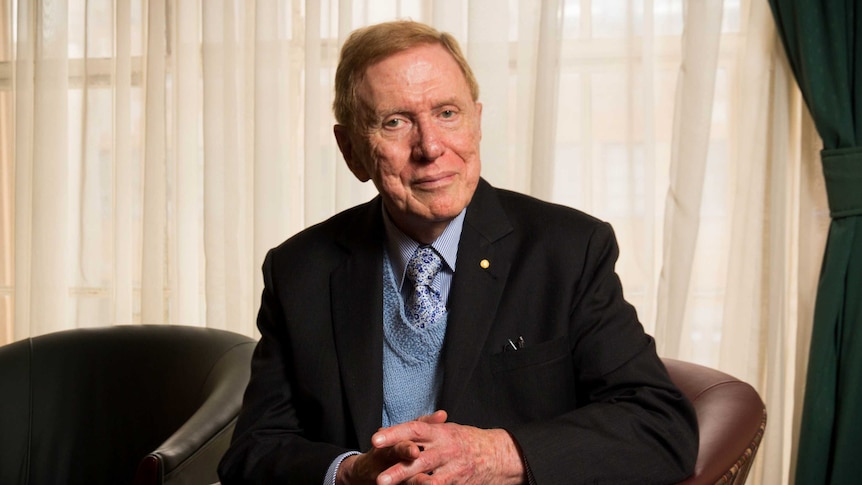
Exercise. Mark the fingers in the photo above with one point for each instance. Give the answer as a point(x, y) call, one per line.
point(366, 467)
point(415, 471)
point(404, 444)
point(437, 417)
point(416, 430)
point(405, 450)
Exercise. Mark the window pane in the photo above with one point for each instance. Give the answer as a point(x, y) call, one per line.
point(668, 17)
point(613, 18)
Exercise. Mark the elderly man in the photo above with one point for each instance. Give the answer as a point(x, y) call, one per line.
point(447, 331)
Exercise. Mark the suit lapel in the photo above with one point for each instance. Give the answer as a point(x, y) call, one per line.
point(476, 291)
point(357, 319)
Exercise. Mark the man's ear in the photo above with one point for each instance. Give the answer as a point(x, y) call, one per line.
point(345, 144)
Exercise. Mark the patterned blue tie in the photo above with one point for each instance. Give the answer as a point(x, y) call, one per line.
point(424, 305)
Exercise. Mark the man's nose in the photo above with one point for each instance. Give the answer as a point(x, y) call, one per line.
point(428, 145)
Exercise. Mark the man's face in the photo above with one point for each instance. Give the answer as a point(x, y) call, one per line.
point(421, 148)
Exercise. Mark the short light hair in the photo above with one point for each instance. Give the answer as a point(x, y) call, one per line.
point(369, 45)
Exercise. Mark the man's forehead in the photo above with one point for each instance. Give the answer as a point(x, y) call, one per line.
point(414, 70)
point(401, 61)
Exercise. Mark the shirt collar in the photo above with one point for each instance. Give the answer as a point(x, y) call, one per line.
point(401, 247)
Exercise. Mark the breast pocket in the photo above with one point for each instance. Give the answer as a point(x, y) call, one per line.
point(537, 381)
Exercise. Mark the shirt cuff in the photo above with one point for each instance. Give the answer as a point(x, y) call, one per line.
point(331, 473)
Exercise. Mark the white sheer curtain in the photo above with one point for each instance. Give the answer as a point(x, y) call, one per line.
point(152, 151)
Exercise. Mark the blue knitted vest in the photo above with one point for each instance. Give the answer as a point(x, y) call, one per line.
point(411, 377)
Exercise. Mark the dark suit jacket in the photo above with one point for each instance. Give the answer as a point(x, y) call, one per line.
point(586, 399)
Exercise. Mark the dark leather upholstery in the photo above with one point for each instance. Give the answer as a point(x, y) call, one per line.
point(731, 417)
point(127, 404)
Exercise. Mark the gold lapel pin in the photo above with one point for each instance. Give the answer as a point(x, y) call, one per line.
point(485, 264)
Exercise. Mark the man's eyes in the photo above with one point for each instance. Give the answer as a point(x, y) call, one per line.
point(399, 122)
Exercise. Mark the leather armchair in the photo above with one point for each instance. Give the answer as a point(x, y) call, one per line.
point(731, 417)
point(147, 404)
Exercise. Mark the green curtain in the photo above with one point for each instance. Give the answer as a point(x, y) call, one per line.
point(823, 40)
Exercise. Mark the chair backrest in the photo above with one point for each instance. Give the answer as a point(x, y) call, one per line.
point(731, 418)
point(86, 405)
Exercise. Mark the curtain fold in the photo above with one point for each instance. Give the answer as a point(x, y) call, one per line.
point(690, 146)
point(42, 171)
point(155, 189)
point(7, 206)
point(543, 138)
point(489, 62)
point(122, 187)
point(825, 50)
point(763, 273)
point(185, 275)
point(271, 85)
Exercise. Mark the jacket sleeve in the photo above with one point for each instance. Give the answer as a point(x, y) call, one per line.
point(269, 443)
point(631, 424)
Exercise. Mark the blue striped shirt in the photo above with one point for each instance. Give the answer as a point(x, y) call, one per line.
point(401, 247)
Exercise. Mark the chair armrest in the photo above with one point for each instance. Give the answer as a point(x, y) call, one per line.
point(731, 419)
point(192, 453)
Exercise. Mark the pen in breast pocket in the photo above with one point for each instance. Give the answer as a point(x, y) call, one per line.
point(512, 345)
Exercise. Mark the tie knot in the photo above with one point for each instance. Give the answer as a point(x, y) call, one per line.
point(423, 266)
